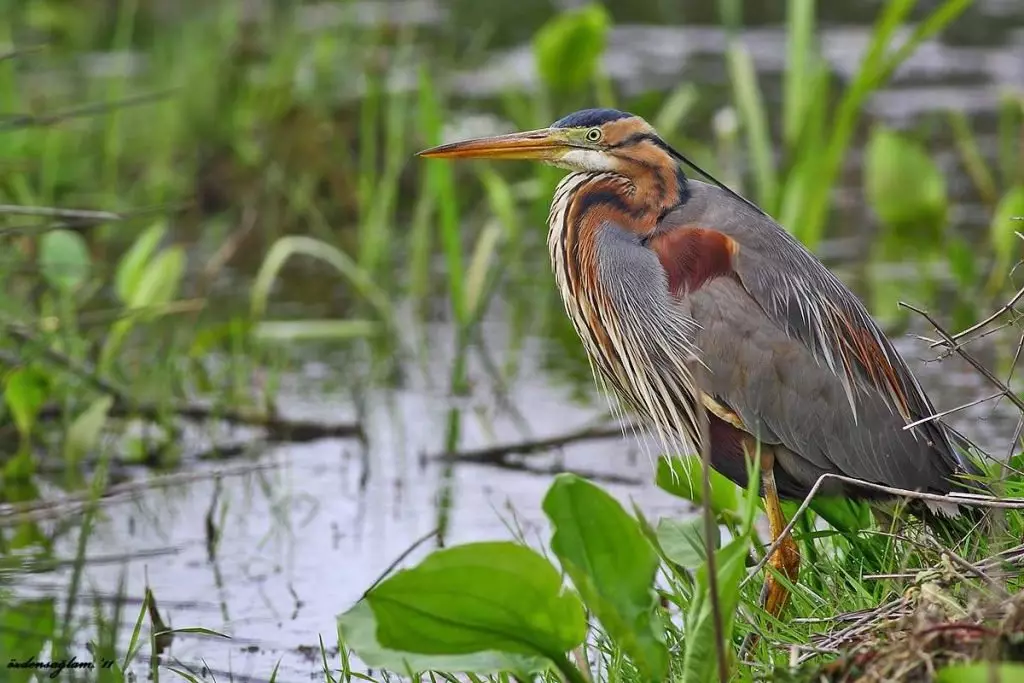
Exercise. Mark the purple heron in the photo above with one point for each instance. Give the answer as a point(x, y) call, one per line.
point(657, 270)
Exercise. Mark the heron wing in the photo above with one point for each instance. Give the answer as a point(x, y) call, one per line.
point(797, 354)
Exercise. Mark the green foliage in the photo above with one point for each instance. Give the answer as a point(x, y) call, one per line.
point(25, 392)
point(683, 542)
point(1007, 221)
point(681, 476)
point(64, 260)
point(286, 247)
point(25, 629)
point(475, 598)
point(700, 660)
point(569, 47)
point(903, 185)
point(278, 139)
point(816, 137)
point(135, 261)
point(612, 565)
point(358, 627)
point(981, 673)
point(84, 433)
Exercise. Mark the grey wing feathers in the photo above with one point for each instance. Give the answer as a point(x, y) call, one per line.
point(845, 358)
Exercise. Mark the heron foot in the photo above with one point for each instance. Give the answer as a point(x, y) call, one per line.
point(786, 560)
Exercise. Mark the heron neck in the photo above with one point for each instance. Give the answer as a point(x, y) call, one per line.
point(657, 189)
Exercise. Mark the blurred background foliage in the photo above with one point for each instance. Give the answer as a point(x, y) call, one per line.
point(199, 196)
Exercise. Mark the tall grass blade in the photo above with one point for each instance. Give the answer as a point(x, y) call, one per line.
point(751, 108)
point(797, 83)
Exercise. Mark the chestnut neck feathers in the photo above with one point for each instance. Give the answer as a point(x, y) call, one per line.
point(642, 180)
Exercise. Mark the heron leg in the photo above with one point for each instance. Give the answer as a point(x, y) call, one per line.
point(786, 558)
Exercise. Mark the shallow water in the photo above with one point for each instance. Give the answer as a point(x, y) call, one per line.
point(303, 529)
point(303, 535)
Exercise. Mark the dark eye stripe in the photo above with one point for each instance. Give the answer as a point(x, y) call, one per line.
point(639, 137)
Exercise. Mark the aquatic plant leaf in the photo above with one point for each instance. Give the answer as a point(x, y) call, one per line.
point(133, 264)
point(613, 566)
point(981, 673)
point(84, 432)
point(358, 627)
point(292, 245)
point(568, 47)
point(25, 391)
point(682, 541)
point(160, 280)
point(905, 188)
point(478, 597)
point(64, 259)
point(700, 661)
point(25, 628)
point(681, 476)
point(1006, 222)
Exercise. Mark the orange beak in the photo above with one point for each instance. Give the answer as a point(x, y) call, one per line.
point(544, 144)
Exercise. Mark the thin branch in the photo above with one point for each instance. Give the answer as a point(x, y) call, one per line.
point(1006, 308)
point(20, 52)
point(278, 428)
point(73, 503)
point(57, 212)
point(974, 500)
point(597, 477)
point(75, 219)
point(126, 405)
point(15, 121)
point(499, 453)
point(944, 413)
point(985, 372)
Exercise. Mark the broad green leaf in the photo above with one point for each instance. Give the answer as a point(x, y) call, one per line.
point(904, 187)
point(682, 541)
point(1006, 222)
point(64, 259)
point(134, 262)
point(613, 566)
point(25, 629)
point(681, 476)
point(84, 432)
point(568, 48)
point(844, 514)
point(700, 661)
point(359, 629)
point(981, 673)
point(160, 280)
point(25, 392)
point(475, 598)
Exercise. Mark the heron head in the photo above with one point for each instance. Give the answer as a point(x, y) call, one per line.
point(586, 140)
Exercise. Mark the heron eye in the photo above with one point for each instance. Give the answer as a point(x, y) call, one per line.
point(594, 134)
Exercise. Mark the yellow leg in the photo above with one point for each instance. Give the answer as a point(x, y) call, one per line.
point(786, 558)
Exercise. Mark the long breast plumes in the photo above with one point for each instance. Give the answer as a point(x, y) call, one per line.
point(616, 296)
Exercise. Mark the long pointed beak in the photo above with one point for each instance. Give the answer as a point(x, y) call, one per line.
point(546, 143)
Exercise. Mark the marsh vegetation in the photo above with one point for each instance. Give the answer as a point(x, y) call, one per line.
point(261, 367)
